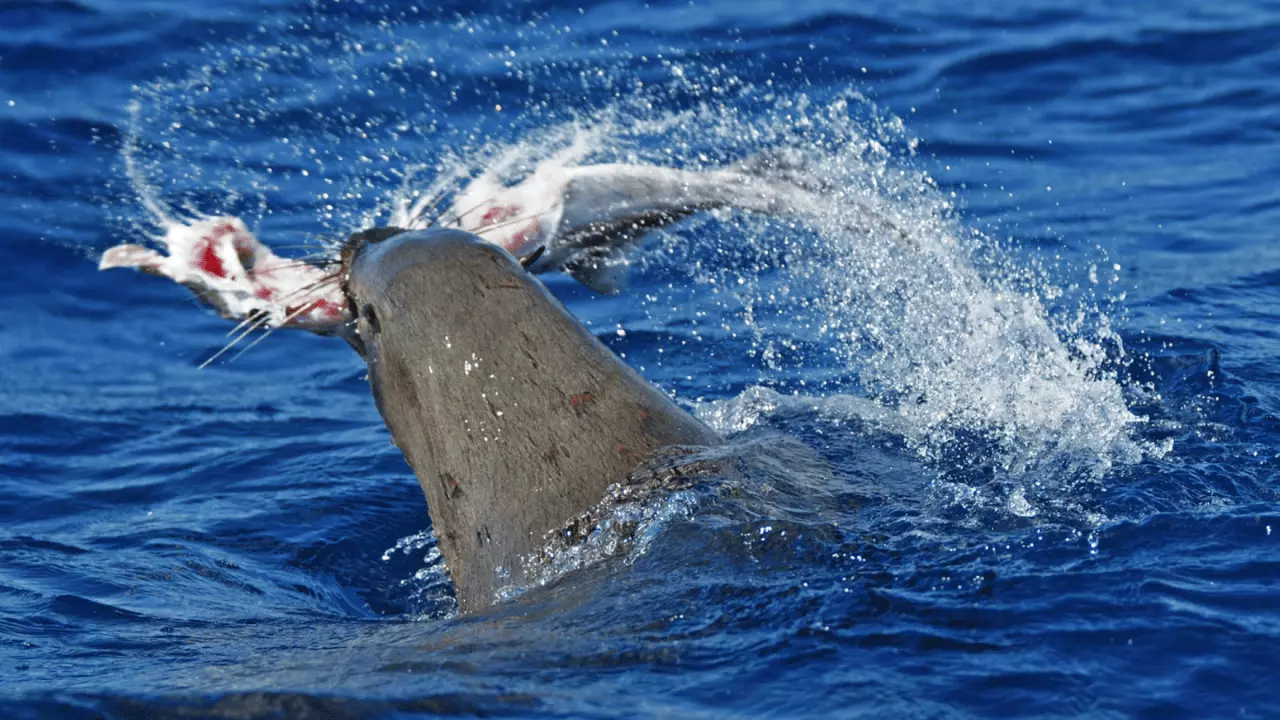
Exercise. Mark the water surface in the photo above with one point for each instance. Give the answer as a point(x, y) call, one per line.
point(1028, 468)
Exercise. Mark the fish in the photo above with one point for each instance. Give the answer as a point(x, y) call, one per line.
point(227, 267)
point(585, 219)
point(579, 219)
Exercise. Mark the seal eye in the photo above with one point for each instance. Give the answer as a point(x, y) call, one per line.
point(371, 317)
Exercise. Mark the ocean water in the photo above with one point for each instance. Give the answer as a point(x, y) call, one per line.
point(1008, 449)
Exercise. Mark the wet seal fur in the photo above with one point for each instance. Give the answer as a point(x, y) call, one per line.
point(513, 416)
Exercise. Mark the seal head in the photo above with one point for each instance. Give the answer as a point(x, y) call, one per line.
point(513, 416)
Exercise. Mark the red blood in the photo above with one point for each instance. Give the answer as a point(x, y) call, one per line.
point(264, 293)
point(323, 306)
point(528, 232)
point(209, 260)
point(328, 308)
point(498, 213)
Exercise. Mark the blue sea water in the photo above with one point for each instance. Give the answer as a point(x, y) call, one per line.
point(1028, 468)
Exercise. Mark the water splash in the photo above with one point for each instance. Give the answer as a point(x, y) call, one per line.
point(618, 527)
point(923, 327)
point(955, 339)
point(428, 592)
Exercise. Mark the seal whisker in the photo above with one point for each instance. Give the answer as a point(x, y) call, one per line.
point(318, 262)
point(458, 218)
point(253, 317)
point(262, 319)
point(296, 246)
point(286, 297)
point(291, 316)
point(326, 280)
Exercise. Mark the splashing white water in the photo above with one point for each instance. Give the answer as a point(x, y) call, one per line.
point(619, 526)
point(878, 289)
point(882, 276)
point(428, 590)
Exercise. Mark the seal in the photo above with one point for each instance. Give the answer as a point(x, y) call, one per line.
point(513, 416)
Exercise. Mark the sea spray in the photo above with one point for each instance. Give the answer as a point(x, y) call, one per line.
point(951, 341)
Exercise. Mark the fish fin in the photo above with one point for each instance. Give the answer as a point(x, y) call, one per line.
point(604, 271)
point(133, 256)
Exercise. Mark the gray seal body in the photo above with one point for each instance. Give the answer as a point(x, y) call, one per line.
point(513, 416)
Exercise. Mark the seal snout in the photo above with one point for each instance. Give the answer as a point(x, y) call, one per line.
point(359, 241)
point(390, 274)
